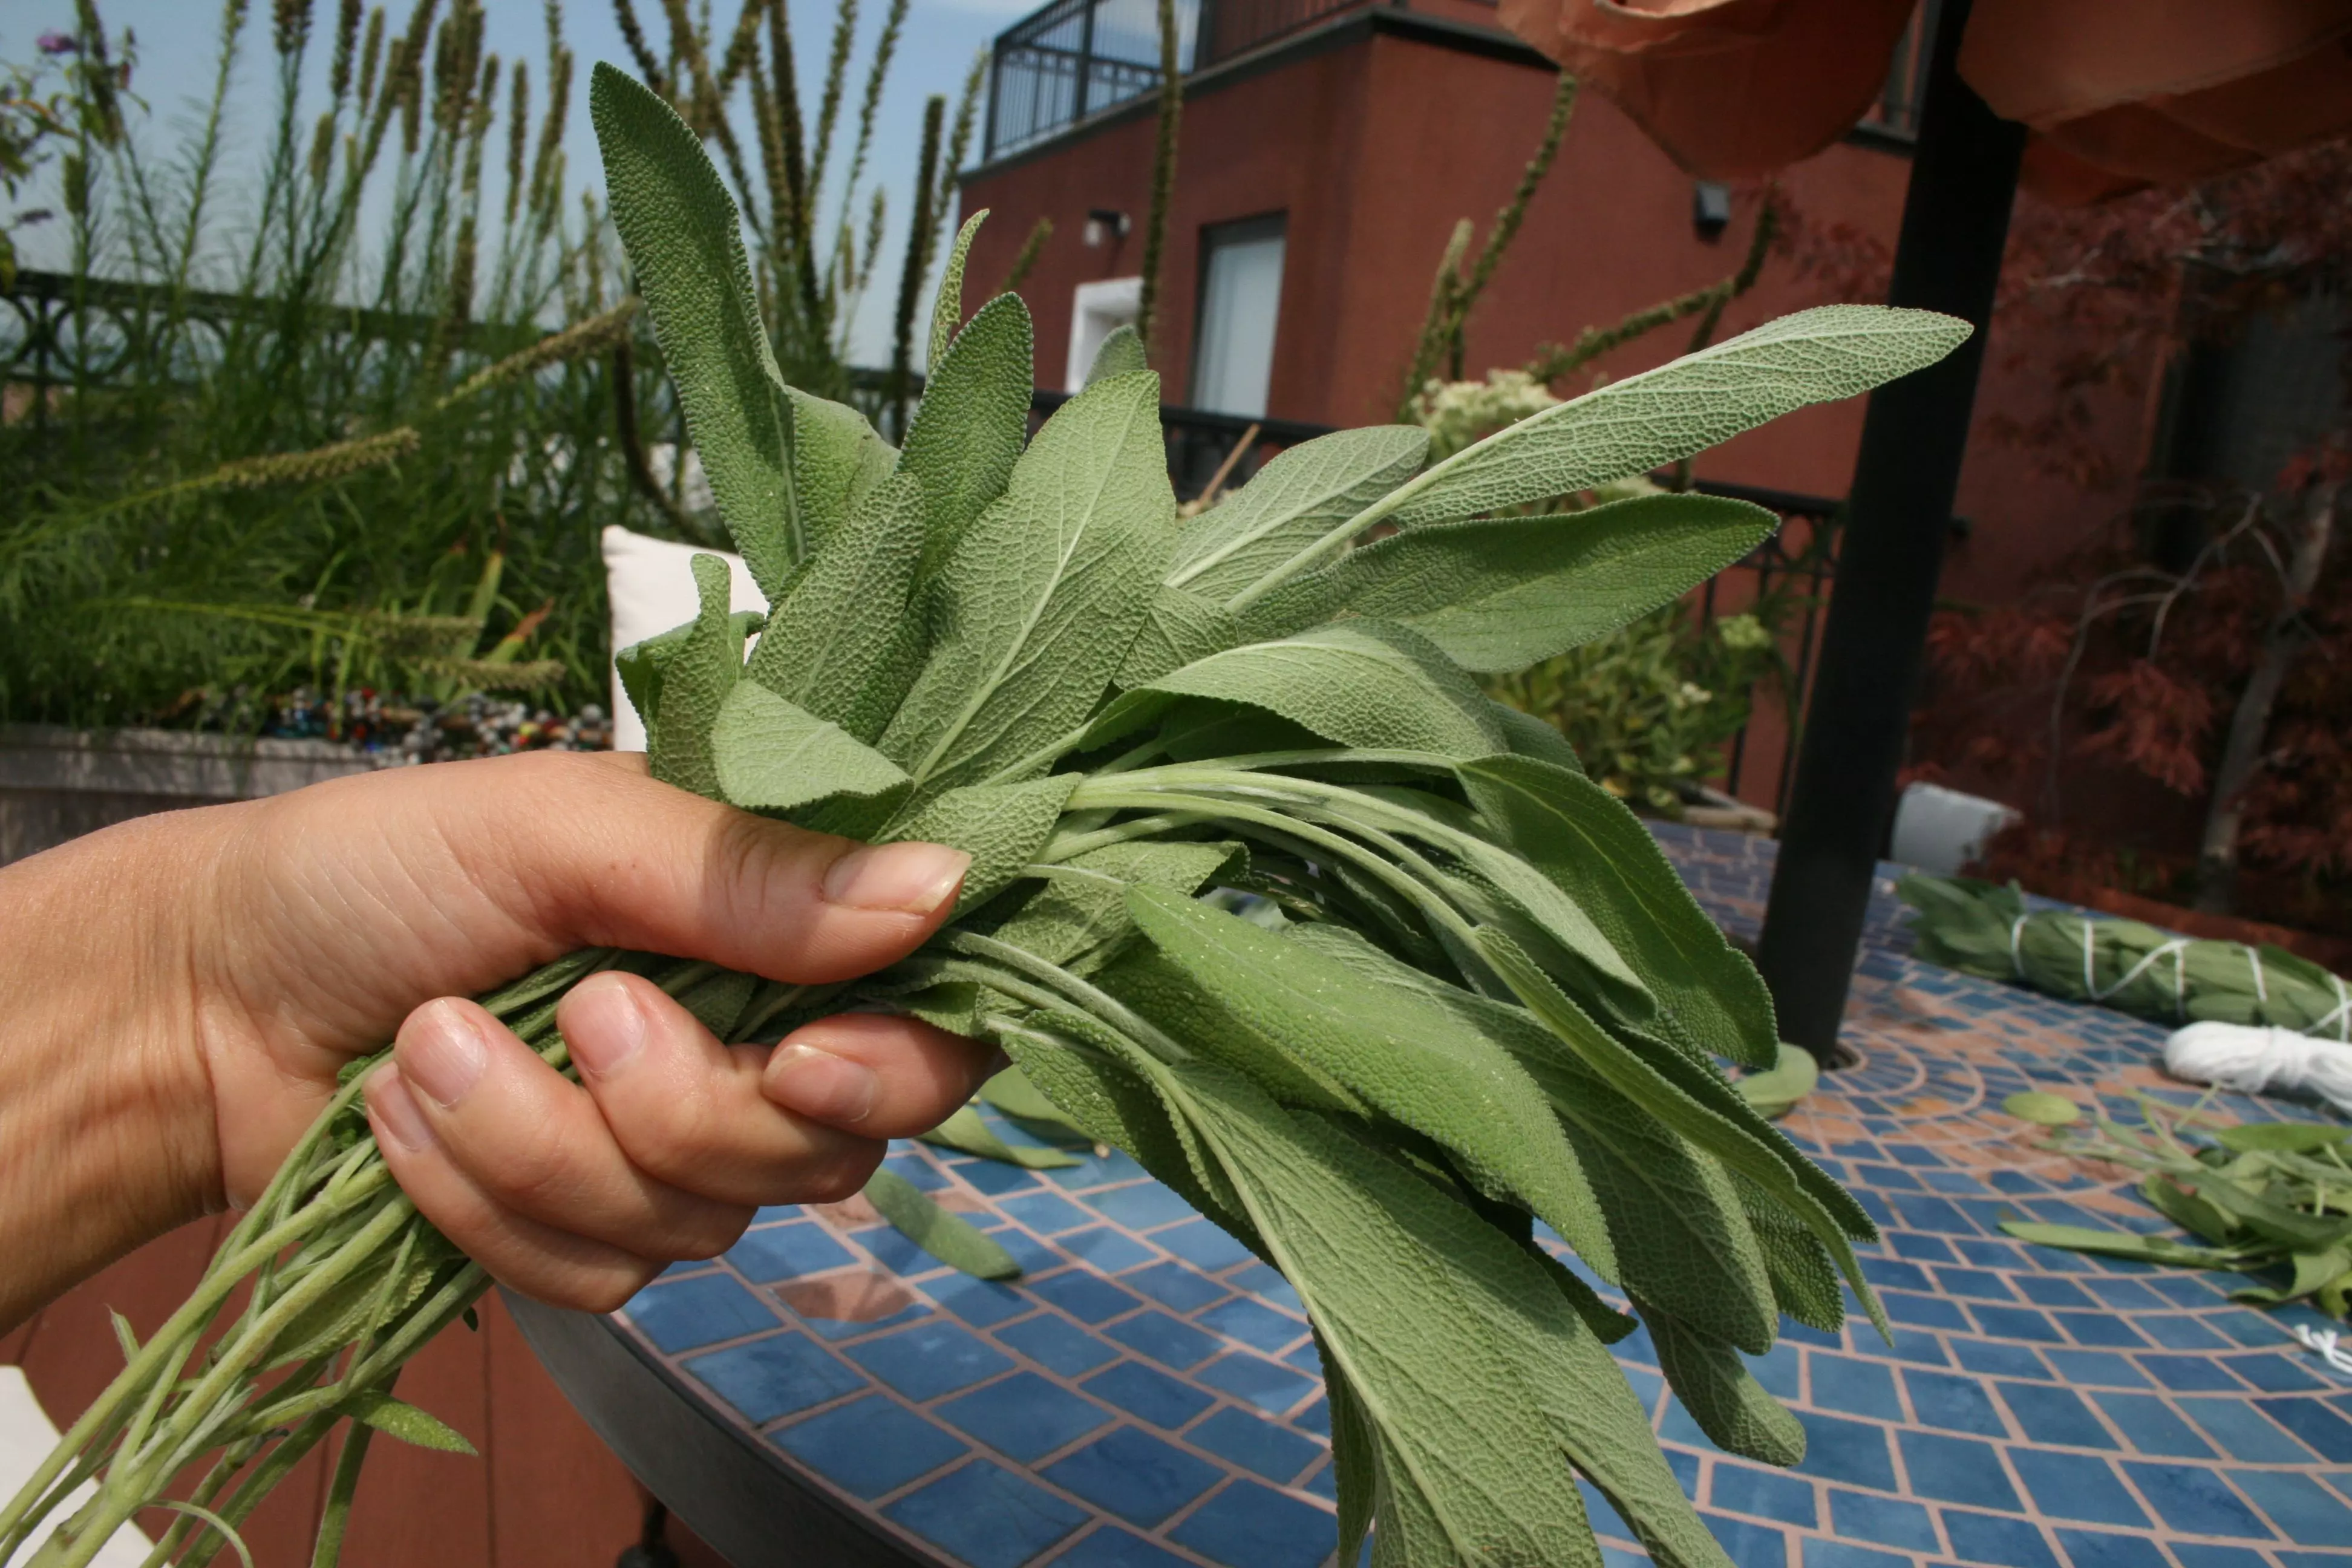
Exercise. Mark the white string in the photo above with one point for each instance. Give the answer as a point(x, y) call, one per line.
point(2176, 949)
point(2342, 1017)
point(2261, 992)
point(2017, 935)
point(2326, 1344)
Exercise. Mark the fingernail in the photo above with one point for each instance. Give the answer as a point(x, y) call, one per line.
point(442, 1053)
point(819, 1084)
point(394, 1110)
point(910, 878)
point(606, 1026)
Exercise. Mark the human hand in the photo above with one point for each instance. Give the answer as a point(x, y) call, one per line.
point(228, 960)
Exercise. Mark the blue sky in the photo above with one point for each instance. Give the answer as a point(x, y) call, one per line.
point(178, 44)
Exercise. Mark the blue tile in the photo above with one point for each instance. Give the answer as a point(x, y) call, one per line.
point(1992, 1358)
point(1024, 1418)
point(2097, 1549)
point(1990, 1537)
point(1174, 1286)
point(995, 1179)
point(2305, 1511)
point(1135, 1474)
point(1845, 1554)
point(1739, 1489)
point(1048, 1214)
point(1315, 1418)
point(871, 1447)
point(2054, 1416)
point(1107, 1249)
point(2196, 1554)
point(1955, 1469)
point(1953, 1403)
point(774, 1376)
point(1921, 1212)
point(1033, 1256)
point(1153, 1395)
point(2016, 1323)
point(1203, 1246)
point(1922, 1248)
point(1842, 1450)
point(1679, 1425)
point(1893, 1273)
point(1259, 1281)
point(2097, 1369)
point(786, 1252)
point(980, 1301)
point(1093, 1171)
point(919, 1172)
point(1271, 1387)
point(1111, 1547)
point(1277, 1453)
point(2049, 1290)
point(2102, 1329)
point(2190, 1373)
point(987, 1516)
point(1141, 1206)
point(1746, 1545)
point(2149, 1425)
point(1056, 1344)
point(2193, 1499)
point(1086, 1297)
point(1977, 1284)
point(1166, 1340)
point(2178, 1331)
point(1250, 1526)
point(895, 1251)
point(931, 1359)
point(1889, 1521)
point(1252, 1323)
point(1856, 1387)
point(1925, 1312)
point(681, 1314)
point(2277, 1373)
point(2238, 1427)
point(851, 1328)
point(2315, 1423)
point(2129, 1295)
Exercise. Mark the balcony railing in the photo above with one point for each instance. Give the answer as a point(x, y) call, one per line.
point(1076, 59)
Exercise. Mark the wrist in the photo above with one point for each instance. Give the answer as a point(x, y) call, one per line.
point(107, 1125)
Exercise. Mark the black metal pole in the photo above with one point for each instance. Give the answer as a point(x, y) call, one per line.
point(1955, 222)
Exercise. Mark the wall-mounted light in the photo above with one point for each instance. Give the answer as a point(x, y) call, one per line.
point(1710, 209)
point(1104, 225)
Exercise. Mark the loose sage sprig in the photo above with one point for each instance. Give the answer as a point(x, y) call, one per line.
point(1478, 997)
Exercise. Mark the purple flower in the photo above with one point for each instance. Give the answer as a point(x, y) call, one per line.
point(58, 44)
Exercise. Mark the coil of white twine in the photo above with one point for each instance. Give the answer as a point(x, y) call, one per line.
point(2254, 1060)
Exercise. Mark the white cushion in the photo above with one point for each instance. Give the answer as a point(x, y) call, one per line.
point(26, 1436)
point(650, 585)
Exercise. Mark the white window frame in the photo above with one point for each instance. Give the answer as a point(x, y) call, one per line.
point(1096, 310)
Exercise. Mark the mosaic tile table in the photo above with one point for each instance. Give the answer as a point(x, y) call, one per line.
point(1147, 1393)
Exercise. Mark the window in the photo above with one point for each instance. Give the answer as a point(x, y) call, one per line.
point(1240, 293)
point(1096, 310)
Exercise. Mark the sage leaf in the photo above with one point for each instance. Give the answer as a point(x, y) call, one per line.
point(641, 664)
point(951, 1238)
point(2041, 1108)
point(1182, 628)
point(1257, 995)
point(2122, 1244)
point(1122, 354)
point(396, 1418)
point(1530, 736)
point(1671, 1212)
point(837, 458)
point(966, 1131)
point(695, 680)
point(1001, 826)
point(1361, 683)
point(773, 755)
point(2282, 1137)
point(844, 642)
point(1715, 1387)
point(1502, 593)
point(1297, 498)
point(1778, 1089)
point(718, 1001)
point(1042, 595)
point(967, 432)
point(1599, 854)
point(1011, 1092)
point(1083, 905)
point(947, 305)
point(685, 238)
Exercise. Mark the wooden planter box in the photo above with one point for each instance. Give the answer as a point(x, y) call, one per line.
point(57, 783)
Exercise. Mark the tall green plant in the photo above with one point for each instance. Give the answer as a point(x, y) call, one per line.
point(1490, 1000)
point(320, 395)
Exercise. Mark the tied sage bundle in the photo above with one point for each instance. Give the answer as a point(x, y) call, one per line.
point(1483, 998)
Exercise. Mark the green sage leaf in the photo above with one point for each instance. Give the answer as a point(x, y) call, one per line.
point(396, 1418)
point(1715, 1387)
point(2041, 1108)
point(967, 432)
point(1001, 826)
point(695, 680)
point(965, 1130)
point(771, 756)
point(844, 642)
point(685, 239)
point(837, 458)
point(947, 305)
point(1296, 498)
point(951, 1238)
point(1122, 354)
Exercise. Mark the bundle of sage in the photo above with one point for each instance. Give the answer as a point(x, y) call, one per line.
point(1486, 999)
